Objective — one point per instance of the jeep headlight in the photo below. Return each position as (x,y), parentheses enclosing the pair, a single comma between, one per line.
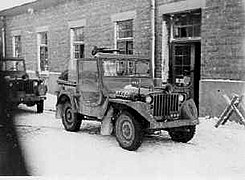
(42,89)
(35,83)
(181,97)
(148,99)
(11,84)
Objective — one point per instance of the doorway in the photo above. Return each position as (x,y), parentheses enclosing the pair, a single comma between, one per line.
(185,71)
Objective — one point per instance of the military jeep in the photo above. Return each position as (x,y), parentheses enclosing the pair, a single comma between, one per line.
(20,88)
(119,91)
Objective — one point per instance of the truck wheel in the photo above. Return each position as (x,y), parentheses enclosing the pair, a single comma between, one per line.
(128,132)
(40,106)
(70,119)
(182,134)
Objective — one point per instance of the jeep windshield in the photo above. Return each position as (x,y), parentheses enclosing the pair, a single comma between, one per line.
(126,67)
(12,65)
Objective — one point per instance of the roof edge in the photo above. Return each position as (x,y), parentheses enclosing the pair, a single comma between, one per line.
(36,5)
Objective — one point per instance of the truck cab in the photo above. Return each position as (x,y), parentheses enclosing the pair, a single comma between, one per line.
(120,92)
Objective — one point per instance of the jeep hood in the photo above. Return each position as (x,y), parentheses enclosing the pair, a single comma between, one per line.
(12,74)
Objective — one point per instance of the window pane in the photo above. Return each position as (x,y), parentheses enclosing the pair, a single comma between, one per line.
(131,68)
(17,45)
(121,46)
(112,67)
(126,68)
(44,38)
(79,51)
(88,81)
(129,47)
(178,60)
(187,25)
(78,34)
(142,68)
(44,58)
(125,29)
(125,46)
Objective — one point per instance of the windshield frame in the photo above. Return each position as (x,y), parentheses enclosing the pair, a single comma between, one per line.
(3,64)
(127,61)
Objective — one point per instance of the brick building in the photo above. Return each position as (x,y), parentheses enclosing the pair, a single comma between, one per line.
(200,39)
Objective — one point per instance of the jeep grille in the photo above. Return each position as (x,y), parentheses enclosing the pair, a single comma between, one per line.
(165,106)
(26,86)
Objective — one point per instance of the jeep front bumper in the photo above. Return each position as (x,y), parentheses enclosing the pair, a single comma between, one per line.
(26,98)
(172,124)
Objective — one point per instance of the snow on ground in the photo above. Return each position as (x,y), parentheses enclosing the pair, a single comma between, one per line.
(51,151)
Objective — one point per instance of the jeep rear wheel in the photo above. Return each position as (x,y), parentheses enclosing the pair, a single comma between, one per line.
(40,106)
(70,119)
(182,134)
(128,131)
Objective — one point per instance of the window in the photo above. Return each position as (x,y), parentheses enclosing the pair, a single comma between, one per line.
(43,51)
(126,68)
(182,56)
(17,46)
(78,42)
(125,36)
(186,25)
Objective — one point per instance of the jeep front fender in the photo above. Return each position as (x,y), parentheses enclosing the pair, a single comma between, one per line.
(141,107)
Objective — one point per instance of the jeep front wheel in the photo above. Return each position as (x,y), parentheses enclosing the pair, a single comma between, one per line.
(128,132)
(70,119)
(40,106)
(182,134)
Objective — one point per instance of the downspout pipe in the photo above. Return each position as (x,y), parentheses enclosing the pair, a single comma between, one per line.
(153,36)
(3,34)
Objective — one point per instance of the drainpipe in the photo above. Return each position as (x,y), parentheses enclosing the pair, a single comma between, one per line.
(3,30)
(153,34)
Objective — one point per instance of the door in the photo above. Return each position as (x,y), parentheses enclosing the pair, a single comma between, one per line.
(91,97)
(186,68)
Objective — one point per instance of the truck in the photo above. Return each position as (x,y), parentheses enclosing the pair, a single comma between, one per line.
(19,87)
(120,92)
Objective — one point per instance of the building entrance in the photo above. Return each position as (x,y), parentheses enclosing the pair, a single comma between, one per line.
(186,68)
(184,32)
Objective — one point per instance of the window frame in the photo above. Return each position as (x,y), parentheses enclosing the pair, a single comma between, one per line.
(128,39)
(44,45)
(15,45)
(78,43)
(174,27)
(130,71)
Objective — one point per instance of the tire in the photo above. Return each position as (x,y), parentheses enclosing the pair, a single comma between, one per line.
(182,134)
(40,106)
(128,132)
(70,119)
(189,110)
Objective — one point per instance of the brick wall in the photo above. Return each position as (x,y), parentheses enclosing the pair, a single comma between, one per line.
(99,29)
(223,32)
